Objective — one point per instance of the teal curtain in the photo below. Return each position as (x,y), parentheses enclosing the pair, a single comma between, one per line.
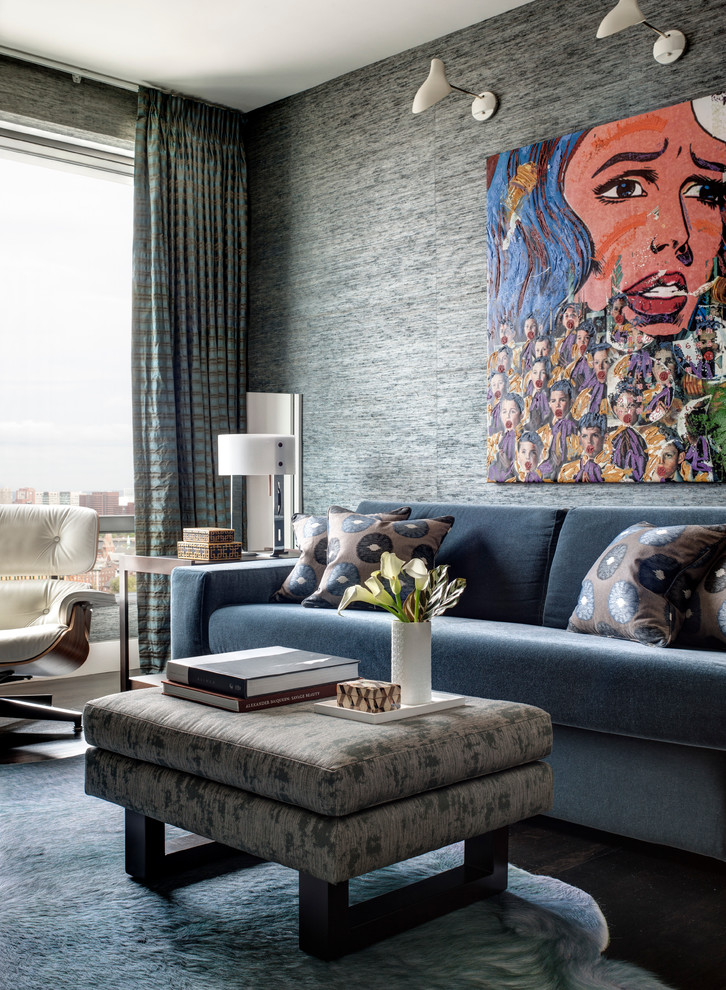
(188,335)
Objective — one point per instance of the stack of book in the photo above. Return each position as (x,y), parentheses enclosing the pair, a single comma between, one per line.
(208,543)
(249,680)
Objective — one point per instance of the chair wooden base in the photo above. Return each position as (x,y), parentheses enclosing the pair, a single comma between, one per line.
(38,708)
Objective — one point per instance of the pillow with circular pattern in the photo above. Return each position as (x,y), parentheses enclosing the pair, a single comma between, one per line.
(641,586)
(311,537)
(356,542)
(705,620)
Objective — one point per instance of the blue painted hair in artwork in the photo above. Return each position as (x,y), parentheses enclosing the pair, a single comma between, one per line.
(539,251)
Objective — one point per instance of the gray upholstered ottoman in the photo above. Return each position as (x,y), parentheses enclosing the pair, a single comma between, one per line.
(328,797)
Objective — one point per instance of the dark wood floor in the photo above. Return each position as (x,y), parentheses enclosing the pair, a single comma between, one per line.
(666,910)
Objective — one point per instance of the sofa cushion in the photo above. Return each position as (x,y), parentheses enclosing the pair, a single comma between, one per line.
(588,530)
(705,622)
(604,685)
(504,553)
(640,587)
(356,542)
(311,536)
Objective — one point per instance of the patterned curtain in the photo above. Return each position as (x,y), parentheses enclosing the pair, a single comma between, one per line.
(188,337)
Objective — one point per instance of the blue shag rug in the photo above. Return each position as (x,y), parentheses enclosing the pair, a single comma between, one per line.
(71,918)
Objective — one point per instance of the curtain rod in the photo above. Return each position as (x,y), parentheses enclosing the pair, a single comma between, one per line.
(73,70)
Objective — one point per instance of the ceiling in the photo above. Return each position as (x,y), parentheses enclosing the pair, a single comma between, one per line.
(239,53)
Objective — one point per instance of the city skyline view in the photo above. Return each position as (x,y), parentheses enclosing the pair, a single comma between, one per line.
(65,378)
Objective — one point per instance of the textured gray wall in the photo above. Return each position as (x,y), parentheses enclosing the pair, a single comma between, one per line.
(368,253)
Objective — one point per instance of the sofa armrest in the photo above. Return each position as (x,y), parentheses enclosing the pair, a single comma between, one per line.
(197,592)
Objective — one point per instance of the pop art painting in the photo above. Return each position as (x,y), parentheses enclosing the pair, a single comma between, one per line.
(607,302)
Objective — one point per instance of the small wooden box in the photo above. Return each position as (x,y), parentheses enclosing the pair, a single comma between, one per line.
(208,534)
(208,551)
(369,696)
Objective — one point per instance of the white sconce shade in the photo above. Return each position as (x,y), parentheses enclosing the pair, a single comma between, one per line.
(434,89)
(625,14)
(437,86)
(256,453)
(670,44)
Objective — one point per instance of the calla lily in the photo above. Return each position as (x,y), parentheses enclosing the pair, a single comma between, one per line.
(433,593)
(380,593)
(416,569)
(391,567)
(356,593)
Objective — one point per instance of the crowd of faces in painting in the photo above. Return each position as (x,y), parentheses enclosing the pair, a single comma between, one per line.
(607,302)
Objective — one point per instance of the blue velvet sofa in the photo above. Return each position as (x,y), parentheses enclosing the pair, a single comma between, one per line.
(639,731)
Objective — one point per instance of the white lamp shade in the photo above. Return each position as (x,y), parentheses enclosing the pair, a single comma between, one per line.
(256,453)
(434,89)
(626,14)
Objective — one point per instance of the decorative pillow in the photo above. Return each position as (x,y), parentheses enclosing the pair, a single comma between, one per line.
(706,613)
(311,536)
(641,586)
(356,542)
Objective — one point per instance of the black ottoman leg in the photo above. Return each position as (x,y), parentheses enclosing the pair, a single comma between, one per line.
(488,856)
(324,927)
(330,928)
(148,858)
(144,846)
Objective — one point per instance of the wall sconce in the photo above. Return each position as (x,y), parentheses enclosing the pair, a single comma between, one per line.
(260,454)
(670,44)
(437,86)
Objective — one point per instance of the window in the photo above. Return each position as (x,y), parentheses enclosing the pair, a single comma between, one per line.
(66,218)
(65,272)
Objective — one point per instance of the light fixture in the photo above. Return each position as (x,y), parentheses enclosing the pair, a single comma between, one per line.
(437,86)
(259,454)
(670,44)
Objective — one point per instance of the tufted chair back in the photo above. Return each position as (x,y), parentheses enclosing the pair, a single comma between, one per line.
(44,619)
(47,539)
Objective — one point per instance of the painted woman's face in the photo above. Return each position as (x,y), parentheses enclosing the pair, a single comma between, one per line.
(526,456)
(669,461)
(591,441)
(539,375)
(559,404)
(497,383)
(503,361)
(505,333)
(510,414)
(600,365)
(652,197)
(626,408)
(582,339)
(570,318)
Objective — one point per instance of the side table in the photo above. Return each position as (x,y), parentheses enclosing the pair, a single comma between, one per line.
(138,564)
(128,564)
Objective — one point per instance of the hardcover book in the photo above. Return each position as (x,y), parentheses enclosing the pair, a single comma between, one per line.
(234,703)
(250,673)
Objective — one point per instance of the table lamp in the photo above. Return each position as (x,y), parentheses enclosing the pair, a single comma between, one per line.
(259,454)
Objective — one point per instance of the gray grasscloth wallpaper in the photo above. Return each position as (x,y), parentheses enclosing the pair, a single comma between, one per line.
(368,254)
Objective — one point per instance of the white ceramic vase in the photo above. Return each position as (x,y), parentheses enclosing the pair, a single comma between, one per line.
(411,660)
